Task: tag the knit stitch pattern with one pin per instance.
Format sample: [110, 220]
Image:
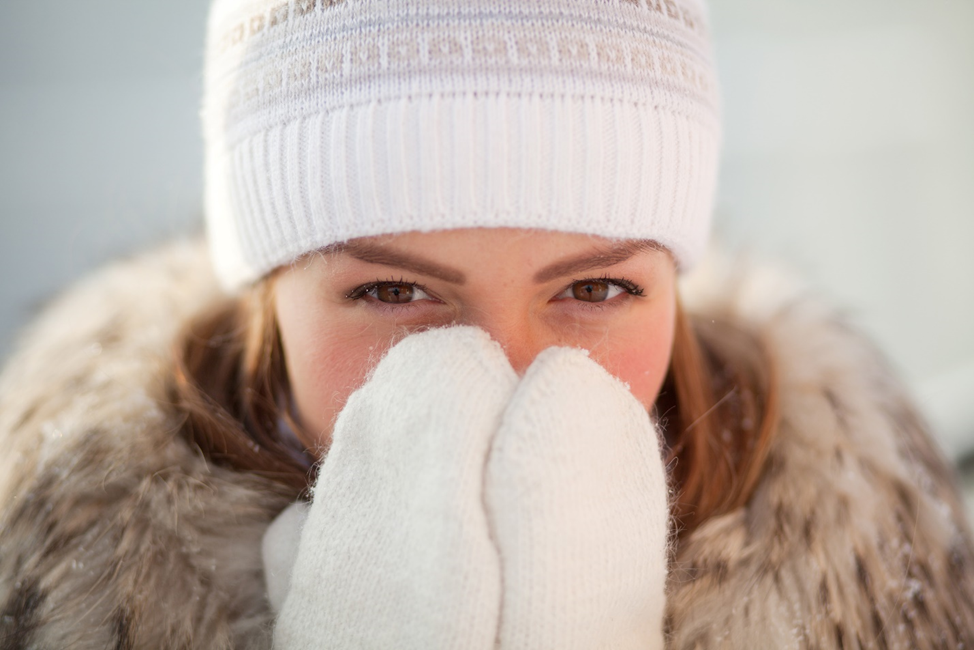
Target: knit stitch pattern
[327, 120]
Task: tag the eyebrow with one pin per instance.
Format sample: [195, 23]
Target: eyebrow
[374, 254]
[614, 255]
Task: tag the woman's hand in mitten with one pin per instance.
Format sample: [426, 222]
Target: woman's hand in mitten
[399, 552]
[396, 549]
[576, 494]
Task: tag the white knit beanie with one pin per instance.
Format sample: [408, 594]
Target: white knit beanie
[327, 120]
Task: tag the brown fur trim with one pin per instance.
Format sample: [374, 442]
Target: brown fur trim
[115, 533]
[856, 535]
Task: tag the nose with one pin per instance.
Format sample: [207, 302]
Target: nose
[520, 342]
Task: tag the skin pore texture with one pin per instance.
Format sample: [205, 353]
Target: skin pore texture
[339, 310]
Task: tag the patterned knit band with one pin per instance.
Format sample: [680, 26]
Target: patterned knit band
[327, 120]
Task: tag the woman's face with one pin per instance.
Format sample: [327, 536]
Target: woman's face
[339, 311]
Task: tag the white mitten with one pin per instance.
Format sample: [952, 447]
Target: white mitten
[396, 550]
[279, 550]
[576, 495]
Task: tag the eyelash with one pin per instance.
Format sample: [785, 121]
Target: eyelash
[628, 286]
[625, 284]
[359, 292]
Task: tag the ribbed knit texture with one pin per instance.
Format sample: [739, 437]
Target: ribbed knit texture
[462, 508]
[327, 120]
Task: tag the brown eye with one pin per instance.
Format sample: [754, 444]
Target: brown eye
[591, 290]
[394, 293]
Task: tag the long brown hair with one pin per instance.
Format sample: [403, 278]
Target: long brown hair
[717, 407]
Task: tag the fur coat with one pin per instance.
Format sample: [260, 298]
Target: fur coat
[114, 533]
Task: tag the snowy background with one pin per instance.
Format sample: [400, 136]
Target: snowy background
[849, 156]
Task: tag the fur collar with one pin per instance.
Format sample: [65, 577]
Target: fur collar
[116, 534]
[856, 535]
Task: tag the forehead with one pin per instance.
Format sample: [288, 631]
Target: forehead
[456, 254]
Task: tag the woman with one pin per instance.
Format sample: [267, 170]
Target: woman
[447, 242]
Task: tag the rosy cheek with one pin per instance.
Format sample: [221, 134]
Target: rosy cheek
[328, 371]
[642, 366]
[638, 352]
